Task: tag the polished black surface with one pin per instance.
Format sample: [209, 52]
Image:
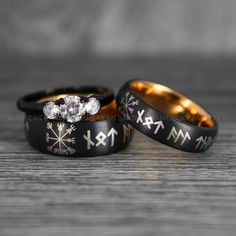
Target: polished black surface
[161, 126]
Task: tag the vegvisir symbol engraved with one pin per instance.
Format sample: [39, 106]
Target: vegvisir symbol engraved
[177, 135]
[126, 105]
[204, 142]
[60, 139]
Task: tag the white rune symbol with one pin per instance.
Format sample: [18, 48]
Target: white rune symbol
[204, 142]
[148, 121]
[127, 132]
[126, 105]
[101, 138]
[178, 135]
[60, 139]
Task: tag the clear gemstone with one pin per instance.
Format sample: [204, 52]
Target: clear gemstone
[63, 111]
[51, 111]
[73, 109]
[92, 106]
[72, 119]
[69, 100]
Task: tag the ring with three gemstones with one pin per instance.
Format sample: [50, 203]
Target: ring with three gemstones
[89, 121]
[72, 122]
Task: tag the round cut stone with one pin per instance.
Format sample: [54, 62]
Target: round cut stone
[92, 106]
[72, 100]
[63, 111]
[51, 111]
[73, 109]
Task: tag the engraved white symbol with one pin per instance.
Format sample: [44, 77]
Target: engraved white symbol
[140, 116]
[159, 124]
[100, 139]
[148, 121]
[127, 132]
[126, 105]
[177, 135]
[112, 133]
[88, 139]
[60, 139]
[204, 142]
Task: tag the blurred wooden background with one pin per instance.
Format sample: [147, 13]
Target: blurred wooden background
[117, 27]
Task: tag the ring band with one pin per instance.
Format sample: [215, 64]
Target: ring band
[33, 103]
[100, 134]
[166, 116]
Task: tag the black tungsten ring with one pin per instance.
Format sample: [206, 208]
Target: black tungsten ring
[80, 139]
[166, 116]
[99, 134]
[34, 103]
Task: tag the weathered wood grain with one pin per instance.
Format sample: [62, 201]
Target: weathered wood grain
[147, 189]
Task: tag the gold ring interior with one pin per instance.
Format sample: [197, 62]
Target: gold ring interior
[108, 111]
[172, 103]
[55, 97]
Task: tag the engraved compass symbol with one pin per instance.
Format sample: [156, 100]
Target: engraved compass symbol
[126, 105]
[60, 139]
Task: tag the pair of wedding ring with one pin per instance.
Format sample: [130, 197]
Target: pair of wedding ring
[90, 121]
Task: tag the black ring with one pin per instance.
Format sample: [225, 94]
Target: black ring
[99, 134]
[173, 131]
[80, 139]
[29, 105]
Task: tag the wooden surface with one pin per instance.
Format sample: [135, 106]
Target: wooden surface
[147, 189]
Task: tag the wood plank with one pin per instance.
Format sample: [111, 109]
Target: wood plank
[147, 189]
